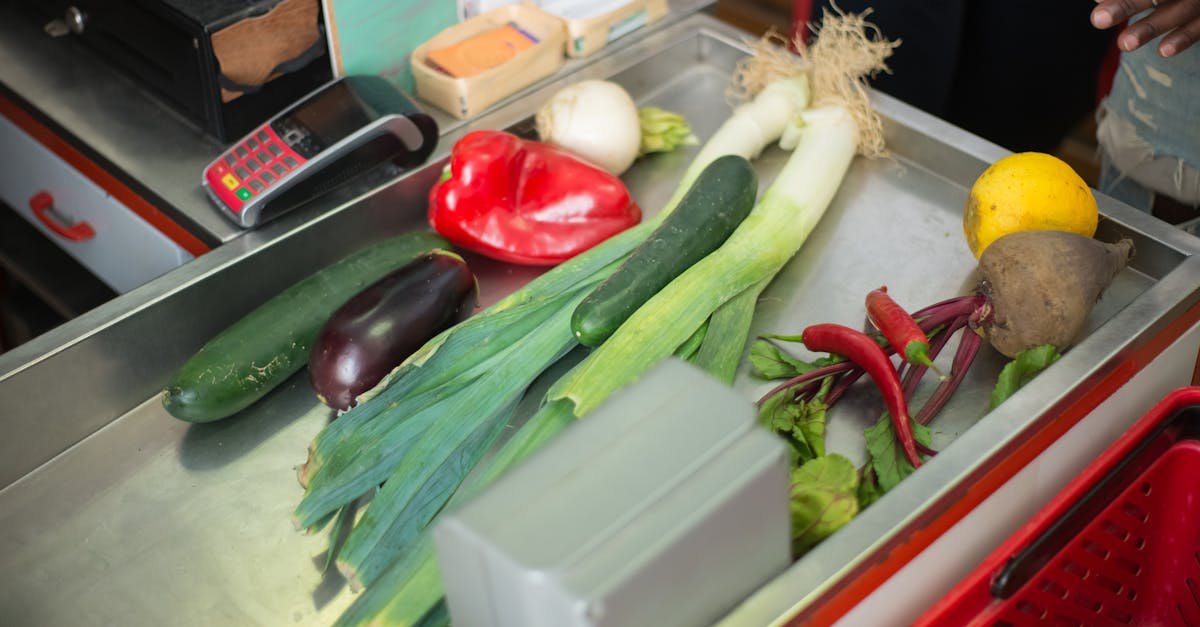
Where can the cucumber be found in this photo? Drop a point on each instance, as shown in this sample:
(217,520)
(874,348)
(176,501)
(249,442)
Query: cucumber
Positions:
(260,351)
(712,208)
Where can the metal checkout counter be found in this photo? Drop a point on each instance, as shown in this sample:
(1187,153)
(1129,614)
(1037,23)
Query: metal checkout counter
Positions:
(116,513)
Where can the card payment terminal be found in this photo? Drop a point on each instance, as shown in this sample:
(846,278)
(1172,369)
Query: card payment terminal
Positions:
(339,131)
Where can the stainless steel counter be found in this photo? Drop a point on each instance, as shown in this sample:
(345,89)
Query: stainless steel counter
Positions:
(115,512)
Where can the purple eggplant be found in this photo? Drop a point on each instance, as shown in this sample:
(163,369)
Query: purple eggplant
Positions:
(379,327)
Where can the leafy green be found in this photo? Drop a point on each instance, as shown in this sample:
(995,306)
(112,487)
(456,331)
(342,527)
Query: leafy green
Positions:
(1020,370)
(823,499)
(801,424)
(768,361)
(663,131)
(868,489)
(887,460)
(341,518)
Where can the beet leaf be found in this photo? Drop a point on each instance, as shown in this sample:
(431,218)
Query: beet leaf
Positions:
(771,362)
(1020,370)
(886,459)
(823,499)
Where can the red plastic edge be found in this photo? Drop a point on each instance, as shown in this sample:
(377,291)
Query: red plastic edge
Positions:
(972,595)
(102,178)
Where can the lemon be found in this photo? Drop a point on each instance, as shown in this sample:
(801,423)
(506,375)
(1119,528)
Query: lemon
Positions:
(1027,191)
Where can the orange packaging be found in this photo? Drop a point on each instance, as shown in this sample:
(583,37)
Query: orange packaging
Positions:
(481,52)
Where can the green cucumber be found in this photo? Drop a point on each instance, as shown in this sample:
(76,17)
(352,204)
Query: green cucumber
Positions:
(713,207)
(260,351)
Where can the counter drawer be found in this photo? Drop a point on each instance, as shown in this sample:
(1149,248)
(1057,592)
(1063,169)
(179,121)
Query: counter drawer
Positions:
(83,219)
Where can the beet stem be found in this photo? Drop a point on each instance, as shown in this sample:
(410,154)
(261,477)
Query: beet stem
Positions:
(936,315)
(811,375)
(968,347)
(843,383)
(914,374)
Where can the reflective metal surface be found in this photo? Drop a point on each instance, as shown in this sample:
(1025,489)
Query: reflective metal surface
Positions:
(146,520)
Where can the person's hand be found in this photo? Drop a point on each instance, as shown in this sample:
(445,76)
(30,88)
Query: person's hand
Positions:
(1177,20)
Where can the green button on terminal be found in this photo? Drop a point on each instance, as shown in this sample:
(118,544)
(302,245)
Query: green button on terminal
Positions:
(244,193)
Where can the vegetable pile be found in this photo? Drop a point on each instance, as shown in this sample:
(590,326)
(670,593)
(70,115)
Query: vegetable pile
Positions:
(1034,296)
(257,353)
(413,445)
(413,438)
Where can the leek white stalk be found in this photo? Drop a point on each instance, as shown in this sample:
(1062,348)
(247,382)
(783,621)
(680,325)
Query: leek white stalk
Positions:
(753,126)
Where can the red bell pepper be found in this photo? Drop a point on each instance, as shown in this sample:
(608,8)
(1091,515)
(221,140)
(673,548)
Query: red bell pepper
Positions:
(526,202)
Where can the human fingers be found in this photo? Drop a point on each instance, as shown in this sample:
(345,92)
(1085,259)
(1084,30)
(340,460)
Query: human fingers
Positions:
(1185,34)
(1177,17)
(1109,13)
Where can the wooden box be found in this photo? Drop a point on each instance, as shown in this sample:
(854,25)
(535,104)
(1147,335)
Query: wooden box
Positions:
(589,35)
(465,97)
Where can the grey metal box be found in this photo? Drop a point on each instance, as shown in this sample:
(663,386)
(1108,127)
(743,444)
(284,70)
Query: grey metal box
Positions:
(666,506)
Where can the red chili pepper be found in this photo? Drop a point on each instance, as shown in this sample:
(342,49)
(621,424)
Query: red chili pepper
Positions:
(900,329)
(859,348)
(526,202)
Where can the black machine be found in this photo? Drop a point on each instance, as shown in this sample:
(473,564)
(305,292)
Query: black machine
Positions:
(167,47)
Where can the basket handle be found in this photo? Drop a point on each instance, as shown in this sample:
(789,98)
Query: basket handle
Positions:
(1021,567)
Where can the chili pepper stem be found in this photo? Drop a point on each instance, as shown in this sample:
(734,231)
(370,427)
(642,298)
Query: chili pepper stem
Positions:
(918,353)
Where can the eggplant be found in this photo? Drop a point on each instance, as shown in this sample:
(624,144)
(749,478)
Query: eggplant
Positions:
(374,331)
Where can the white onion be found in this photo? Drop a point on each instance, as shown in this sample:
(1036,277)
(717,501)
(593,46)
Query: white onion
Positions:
(594,120)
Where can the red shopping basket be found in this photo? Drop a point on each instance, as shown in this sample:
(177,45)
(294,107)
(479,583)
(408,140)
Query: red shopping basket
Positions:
(1120,545)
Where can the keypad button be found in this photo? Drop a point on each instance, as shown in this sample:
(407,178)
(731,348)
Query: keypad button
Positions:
(264,157)
(230,182)
(241,172)
(290,162)
(244,193)
(252,143)
(279,169)
(257,185)
(263,137)
(275,149)
(253,164)
(220,169)
(231,160)
(240,151)
(268,177)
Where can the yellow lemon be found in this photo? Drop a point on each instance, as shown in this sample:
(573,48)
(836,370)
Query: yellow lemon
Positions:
(1027,191)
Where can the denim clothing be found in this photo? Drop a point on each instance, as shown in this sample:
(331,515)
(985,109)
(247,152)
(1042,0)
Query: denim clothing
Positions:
(1149,129)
